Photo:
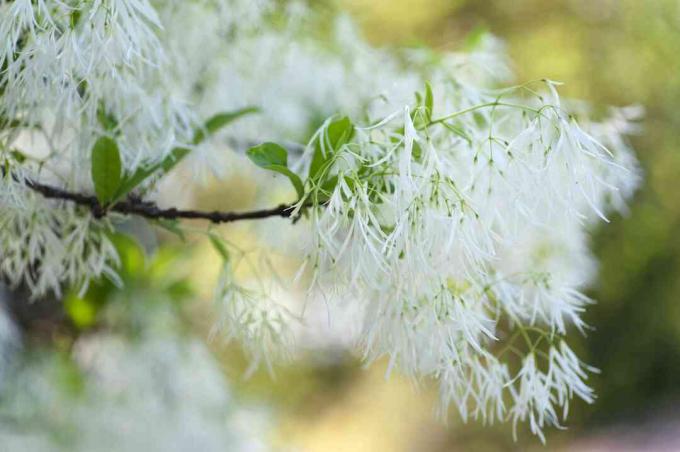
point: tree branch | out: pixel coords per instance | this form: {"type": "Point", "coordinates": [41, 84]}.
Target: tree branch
{"type": "Point", "coordinates": [132, 206]}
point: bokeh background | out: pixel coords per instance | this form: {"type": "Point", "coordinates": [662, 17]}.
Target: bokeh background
{"type": "Point", "coordinates": [610, 52]}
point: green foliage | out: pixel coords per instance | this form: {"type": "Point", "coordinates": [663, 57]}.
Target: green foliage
{"type": "Point", "coordinates": [272, 157]}
{"type": "Point", "coordinates": [429, 101]}
{"type": "Point", "coordinates": [84, 309]}
{"type": "Point", "coordinates": [172, 226]}
{"type": "Point", "coordinates": [220, 247]}
{"type": "Point", "coordinates": [267, 155]}
{"type": "Point", "coordinates": [112, 186]}
{"type": "Point", "coordinates": [106, 169]}
{"type": "Point", "coordinates": [221, 120]}
{"type": "Point", "coordinates": [338, 133]}
{"type": "Point", "coordinates": [173, 159]}
{"type": "Point", "coordinates": [106, 120]}
{"type": "Point", "coordinates": [81, 311]}
{"type": "Point", "coordinates": [475, 37]}
{"type": "Point", "coordinates": [142, 281]}
{"type": "Point", "coordinates": [132, 181]}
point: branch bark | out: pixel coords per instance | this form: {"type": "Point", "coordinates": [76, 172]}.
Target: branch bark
{"type": "Point", "coordinates": [139, 207]}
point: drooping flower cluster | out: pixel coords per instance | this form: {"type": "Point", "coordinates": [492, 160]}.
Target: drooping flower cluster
{"type": "Point", "coordinates": [459, 228]}
{"type": "Point", "coordinates": [71, 72]}
{"type": "Point", "coordinates": [254, 318]}
{"type": "Point", "coordinates": [78, 69]}
{"type": "Point", "coordinates": [48, 247]}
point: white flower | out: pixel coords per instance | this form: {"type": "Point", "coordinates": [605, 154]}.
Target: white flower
{"type": "Point", "coordinates": [461, 238]}
{"type": "Point", "coordinates": [47, 247]}
{"type": "Point", "coordinates": [250, 315]}
{"type": "Point", "coordinates": [154, 394]}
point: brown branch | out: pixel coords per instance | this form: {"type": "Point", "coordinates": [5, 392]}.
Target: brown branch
{"type": "Point", "coordinates": [132, 206]}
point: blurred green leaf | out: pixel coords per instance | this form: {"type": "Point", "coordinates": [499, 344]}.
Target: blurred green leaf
{"type": "Point", "coordinates": [221, 120]}
{"type": "Point", "coordinates": [132, 256]}
{"type": "Point", "coordinates": [475, 37]}
{"type": "Point", "coordinates": [106, 169]}
{"type": "Point", "coordinates": [219, 246]}
{"type": "Point", "coordinates": [212, 125]}
{"type": "Point", "coordinates": [81, 311]}
{"type": "Point", "coordinates": [273, 157]}
{"type": "Point", "coordinates": [429, 101]}
{"type": "Point", "coordinates": [132, 181]}
{"type": "Point", "coordinates": [172, 226]}
{"type": "Point", "coordinates": [106, 120]}
{"type": "Point", "coordinates": [175, 156]}
{"type": "Point", "coordinates": [268, 154]}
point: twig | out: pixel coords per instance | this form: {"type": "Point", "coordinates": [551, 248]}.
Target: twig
{"type": "Point", "coordinates": [132, 206]}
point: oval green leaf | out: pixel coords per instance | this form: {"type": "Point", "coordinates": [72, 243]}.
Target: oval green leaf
{"type": "Point", "coordinates": [106, 169]}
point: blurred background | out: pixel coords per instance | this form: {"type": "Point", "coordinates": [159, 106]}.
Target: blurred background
{"type": "Point", "coordinates": [608, 52]}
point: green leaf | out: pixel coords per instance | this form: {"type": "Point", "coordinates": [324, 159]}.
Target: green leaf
{"type": "Point", "coordinates": [175, 156]}
{"type": "Point", "coordinates": [429, 100]}
{"type": "Point", "coordinates": [268, 154]}
{"type": "Point", "coordinates": [219, 246]}
{"type": "Point", "coordinates": [294, 178]}
{"type": "Point", "coordinates": [337, 134]}
{"type": "Point", "coordinates": [106, 120]}
{"type": "Point", "coordinates": [131, 181]}
{"type": "Point", "coordinates": [132, 255]}
{"type": "Point", "coordinates": [273, 157]}
{"type": "Point", "coordinates": [172, 226]}
{"type": "Point", "coordinates": [327, 189]}
{"type": "Point", "coordinates": [106, 169]}
{"type": "Point", "coordinates": [81, 311]}
{"type": "Point", "coordinates": [475, 37]}
{"type": "Point", "coordinates": [220, 120]}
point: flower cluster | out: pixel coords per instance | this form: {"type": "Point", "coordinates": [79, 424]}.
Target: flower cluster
{"type": "Point", "coordinates": [78, 69]}
{"type": "Point", "coordinates": [71, 72]}
{"type": "Point", "coordinates": [47, 247]}
{"type": "Point", "coordinates": [156, 394]}
{"type": "Point", "coordinates": [251, 316]}
{"type": "Point", "coordinates": [458, 227]}
{"type": "Point", "coordinates": [454, 227]}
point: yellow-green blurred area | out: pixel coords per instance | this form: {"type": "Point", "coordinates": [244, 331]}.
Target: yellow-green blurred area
{"type": "Point", "coordinates": [609, 52]}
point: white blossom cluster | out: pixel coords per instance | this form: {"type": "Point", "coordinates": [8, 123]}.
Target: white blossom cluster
{"type": "Point", "coordinates": [47, 246]}
{"type": "Point", "coordinates": [252, 316]}
{"type": "Point", "coordinates": [71, 72]}
{"type": "Point", "coordinates": [154, 394]}
{"type": "Point", "coordinates": [297, 81]}
{"type": "Point", "coordinates": [454, 226]}
{"type": "Point", "coordinates": [68, 68]}
{"type": "Point", "coordinates": [461, 234]}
